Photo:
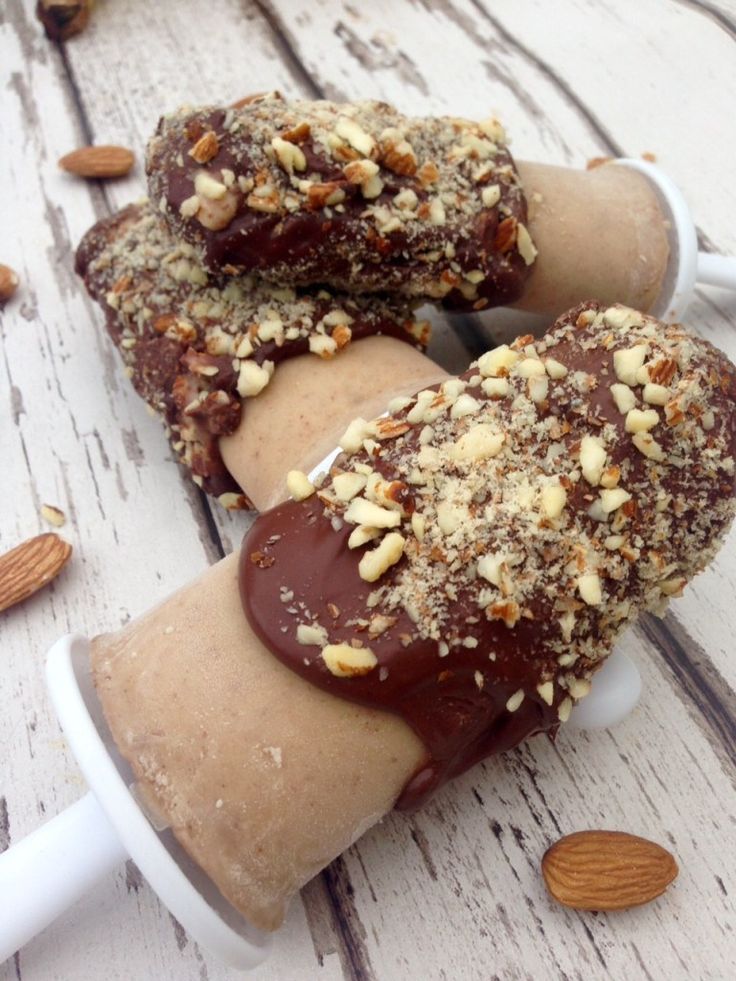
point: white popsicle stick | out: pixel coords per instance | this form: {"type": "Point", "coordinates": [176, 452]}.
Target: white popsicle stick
{"type": "Point", "coordinates": [49, 870]}
{"type": "Point", "coordinates": [614, 693]}
{"type": "Point", "coordinates": [717, 270]}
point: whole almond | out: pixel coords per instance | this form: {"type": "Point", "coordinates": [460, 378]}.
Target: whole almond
{"type": "Point", "coordinates": [8, 283]}
{"type": "Point", "coordinates": [63, 19]}
{"type": "Point", "coordinates": [98, 161]}
{"type": "Point", "coordinates": [607, 870]}
{"type": "Point", "coordinates": [31, 565]}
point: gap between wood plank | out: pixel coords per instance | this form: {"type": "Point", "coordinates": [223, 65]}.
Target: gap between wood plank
{"type": "Point", "coordinates": [711, 13]}
{"type": "Point", "coordinates": [699, 680]}
{"type": "Point", "coordinates": [282, 41]}
{"type": "Point", "coordinates": [597, 128]}
{"type": "Point", "coordinates": [88, 132]}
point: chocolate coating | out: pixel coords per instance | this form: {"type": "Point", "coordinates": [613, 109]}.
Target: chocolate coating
{"type": "Point", "coordinates": [431, 208]}
{"type": "Point", "coordinates": [182, 334]}
{"type": "Point", "coordinates": [530, 558]}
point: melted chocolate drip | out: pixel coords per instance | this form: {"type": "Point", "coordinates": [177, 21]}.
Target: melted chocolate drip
{"type": "Point", "coordinates": [293, 548]}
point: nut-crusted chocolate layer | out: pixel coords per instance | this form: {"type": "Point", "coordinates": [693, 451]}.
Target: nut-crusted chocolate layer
{"type": "Point", "coordinates": [355, 196]}
{"type": "Point", "coordinates": [472, 557]}
{"type": "Point", "coordinates": [195, 346]}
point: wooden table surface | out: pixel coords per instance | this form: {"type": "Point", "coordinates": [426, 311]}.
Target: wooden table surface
{"type": "Point", "coordinates": [455, 891]}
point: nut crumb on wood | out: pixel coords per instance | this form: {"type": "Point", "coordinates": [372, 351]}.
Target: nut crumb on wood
{"type": "Point", "coordinates": [53, 515]}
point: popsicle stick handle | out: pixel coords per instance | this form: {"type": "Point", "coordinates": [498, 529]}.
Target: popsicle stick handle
{"type": "Point", "coordinates": [45, 873]}
{"type": "Point", "coordinates": [614, 694]}
{"type": "Point", "coordinates": [717, 270]}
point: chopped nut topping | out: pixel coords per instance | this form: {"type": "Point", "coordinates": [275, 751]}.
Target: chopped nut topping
{"type": "Point", "coordinates": [648, 445]}
{"type": "Point", "coordinates": [289, 155]}
{"type": "Point", "coordinates": [189, 207]}
{"type": "Point", "coordinates": [515, 701]}
{"type": "Point", "coordinates": [357, 137]}
{"type": "Point", "coordinates": [641, 421]}
{"type": "Point", "coordinates": [347, 485]}
{"type": "Point", "coordinates": [627, 361]}
{"type": "Point", "coordinates": [352, 439]}
{"type": "Point", "coordinates": [527, 249]}
{"type": "Point", "coordinates": [656, 394]}
{"type": "Point", "coordinates": [205, 148]}
{"type": "Point", "coordinates": [589, 587]}
{"type": "Point", "coordinates": [253, 378]}
{"type": "Point", "coordinates": [554, 498]}
{"type": "Point", "coordinates": [497, 362]}
{"type": "Point", "coordinates": [624, 397]}
{"type": "Point", "coordinates": [373, 564]}
{"type": "Point", "coordinates": [491, 195]}
{"type": "Point", "coordinates": [564, 710]}
{"type": "Point", "coordinates": [479, 443]}
{"type": "Point", "coordinates": [397, 154]}
{"type": "Point", "coordinates": [613, 499]}
{"type": "Point", "coordinates": [311, 635]}
{"type": "Point", "coordinates": [547, 692]}
{"type": "Point", "coordinates": [363, 512]}
{"type": "Point", "coordinates": [555, 369]}
{"type": "Point", "coordinates": [363, 534]}
{"type": "Point", "coordinates": [299, 485]}
{"type": "Point", "coordinates": [206, 186]}
{"type": "Point", "coordinates": [345, 661]}
{"type": "Point", "coordinates": [592, 458]}
{"type": "Point", "coordinates": [53, 515]}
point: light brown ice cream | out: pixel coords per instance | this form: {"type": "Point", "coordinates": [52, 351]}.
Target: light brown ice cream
{"type": "Point", "coordinates": [600, 234]}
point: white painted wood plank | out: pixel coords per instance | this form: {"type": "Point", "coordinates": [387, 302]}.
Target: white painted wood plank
{"type": "Point", "coordinates": [131, 61]}
{"type": "Point", "coordinates": [673, 71]}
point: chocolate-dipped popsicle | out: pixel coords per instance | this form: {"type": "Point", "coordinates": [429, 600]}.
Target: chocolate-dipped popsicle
{"type": "Point", "coordinates": [355, 196]}
{"type": "Point", "coordinates": [474, 556]}
{"type": "Point", "coordinates": [195, 347]}
{"type": "Point", "coordinates": [264, 777]}
{"type": "Point", "coordinates": [364, 198]}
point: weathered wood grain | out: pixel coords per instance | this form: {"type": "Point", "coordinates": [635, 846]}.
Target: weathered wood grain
{"type": "Point", "coordinates": [455, 891]}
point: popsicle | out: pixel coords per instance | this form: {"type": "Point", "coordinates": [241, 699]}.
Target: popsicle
{"type": "Point", "coordinates": [352, 195]}
{"type": "Point", "coordinates": [435, 208]}
{"type": "Point", "coordinates": [593, 470]}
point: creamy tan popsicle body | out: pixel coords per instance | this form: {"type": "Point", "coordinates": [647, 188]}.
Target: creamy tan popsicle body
{"type": "Point", "coordinates": [599, 233]}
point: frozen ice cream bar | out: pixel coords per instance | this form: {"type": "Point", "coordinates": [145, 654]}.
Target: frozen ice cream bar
{"type": "Point", "coordinates": [355, 196]}
{"type": "Point", "coordinates": [365, 199]}
{"type": "Point", "coordinates": [450, 587]}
